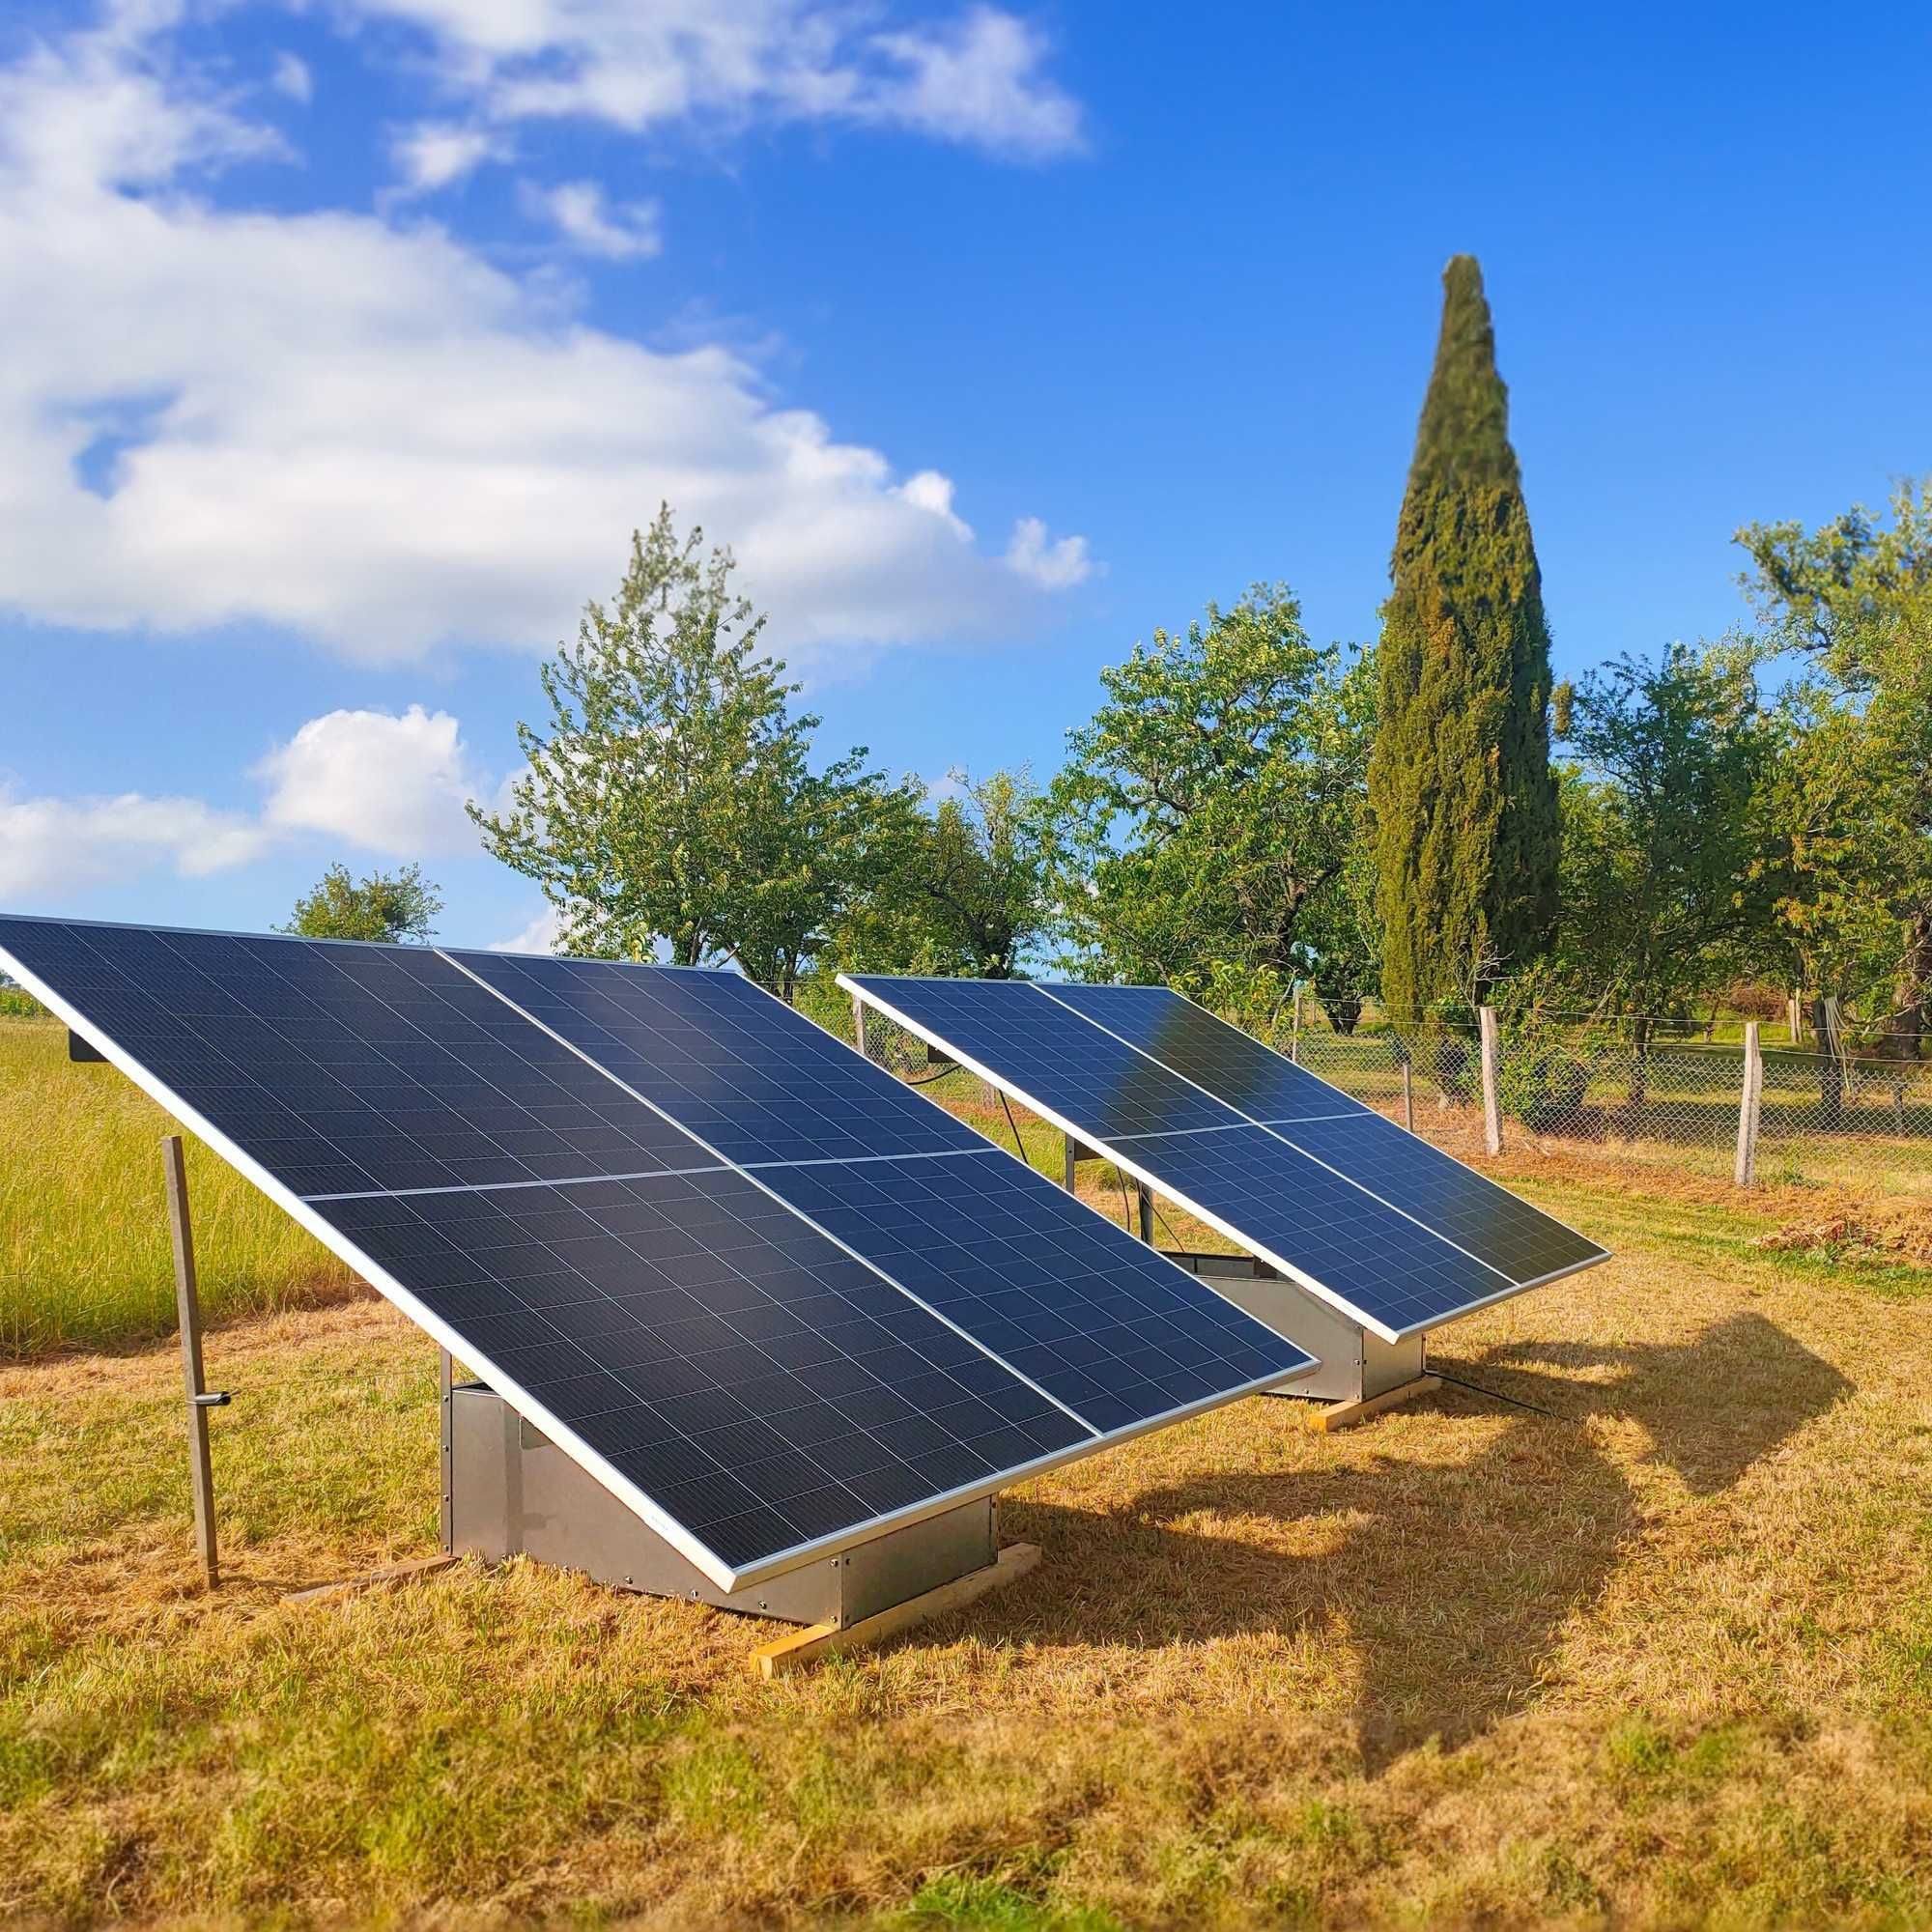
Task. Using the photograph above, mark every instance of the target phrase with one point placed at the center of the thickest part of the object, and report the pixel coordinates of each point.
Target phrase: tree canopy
(388, 906)
(1465, 801)
(1207, 816)
(670, 802)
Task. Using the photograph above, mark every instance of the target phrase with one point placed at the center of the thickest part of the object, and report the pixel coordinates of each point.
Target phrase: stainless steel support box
(1355, 1364)
(511, 1490)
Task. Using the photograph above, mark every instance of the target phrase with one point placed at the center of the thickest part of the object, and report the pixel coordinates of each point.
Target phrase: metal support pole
(859, 1023)
(1492, 1113)
(187, 1307)
(445, 1376)
(1408, 1098)
(1146, 1212)
(1294, 1037)
(1750, 1106)
(1067, 1182)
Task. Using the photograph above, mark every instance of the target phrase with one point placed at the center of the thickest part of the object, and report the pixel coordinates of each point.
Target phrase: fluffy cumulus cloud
(1053, 566)
(434, 154)
(393, 785)
(385, 784)
(62, 844)
(540, 935)
(586, 221)
(367, 433)
(978, 79)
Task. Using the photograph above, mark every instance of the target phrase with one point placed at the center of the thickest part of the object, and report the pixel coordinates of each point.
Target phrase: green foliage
(17, 1004)
(671, 799)
(391, 907)
(1856, 777)
(964, 890)
(1662, 888)
(1466, 843)
(1209, 818)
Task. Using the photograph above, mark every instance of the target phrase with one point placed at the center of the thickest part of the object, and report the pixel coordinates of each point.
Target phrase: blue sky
(347, 342)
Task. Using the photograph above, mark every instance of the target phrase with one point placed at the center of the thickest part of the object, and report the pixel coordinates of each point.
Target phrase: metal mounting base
(510, 1491)
(1356, 1364)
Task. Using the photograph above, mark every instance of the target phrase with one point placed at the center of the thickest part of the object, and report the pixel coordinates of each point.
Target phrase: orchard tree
(1854, 597)
(670, 802)
(1662, 890)
(1208, 816)
(1464, 801)
(965, 891)
(391, 907)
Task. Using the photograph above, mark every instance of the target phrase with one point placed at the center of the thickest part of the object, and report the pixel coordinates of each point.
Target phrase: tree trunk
(1905, 1037)
(1831, 1070)
(1639, 1078)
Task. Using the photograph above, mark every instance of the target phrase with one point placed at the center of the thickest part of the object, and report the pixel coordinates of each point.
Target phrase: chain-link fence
(1616, 1102)
(1814, 1117)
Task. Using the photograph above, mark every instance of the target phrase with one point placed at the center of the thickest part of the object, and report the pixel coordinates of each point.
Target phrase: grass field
(1661, 1657)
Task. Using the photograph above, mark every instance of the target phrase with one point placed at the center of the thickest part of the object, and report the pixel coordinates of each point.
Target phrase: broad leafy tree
(670, 803)
(388, 906)
(965, 890)
(1854, 597)
(1663, 889)
(1208, 815)
(1465, 801)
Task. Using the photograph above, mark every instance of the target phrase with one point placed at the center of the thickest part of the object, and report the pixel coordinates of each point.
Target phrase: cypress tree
(1459, 783)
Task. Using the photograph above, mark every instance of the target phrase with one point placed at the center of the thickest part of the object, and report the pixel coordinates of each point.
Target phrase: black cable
(943, 1073)
(1495, 1395)
(1019, 1145)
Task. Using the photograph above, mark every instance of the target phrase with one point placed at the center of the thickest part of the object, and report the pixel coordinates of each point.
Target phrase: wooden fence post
(187, 1308)
(859, 1024)
(1750, 1103)
(1295, 1038)
(1492, 1113)
(1408, 1098)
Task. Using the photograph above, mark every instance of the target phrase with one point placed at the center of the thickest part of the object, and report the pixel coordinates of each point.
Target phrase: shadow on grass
(1448, 1581)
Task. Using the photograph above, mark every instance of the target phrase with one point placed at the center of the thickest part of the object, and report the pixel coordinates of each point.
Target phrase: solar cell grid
(1522, 1241)
(1078, 1306)
(748, 1074)
(1204, 1048)
(1070, 1068)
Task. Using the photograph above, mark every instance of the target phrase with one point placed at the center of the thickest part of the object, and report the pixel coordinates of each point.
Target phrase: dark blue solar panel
(1066, 1067)
(346, 1068)
(1076, 1304)
(745, 1072)
(1475, 1213)
(756, 1381)
(1200, 1047)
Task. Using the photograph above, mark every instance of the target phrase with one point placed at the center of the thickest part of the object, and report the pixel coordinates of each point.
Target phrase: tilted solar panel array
(751, 1380)
(1385, 1227)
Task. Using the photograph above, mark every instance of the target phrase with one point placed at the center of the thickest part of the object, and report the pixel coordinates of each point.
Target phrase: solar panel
(757, 1390)
(1387, 1228)
(902, 1184)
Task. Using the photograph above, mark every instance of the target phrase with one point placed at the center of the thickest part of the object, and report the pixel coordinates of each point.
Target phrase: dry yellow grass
(1664, 1659)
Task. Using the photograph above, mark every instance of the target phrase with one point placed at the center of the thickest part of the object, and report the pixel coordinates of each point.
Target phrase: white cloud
(978, 81)
(394, 784)
(541, 935)
(291, 77)
(433, 155)
(60, 844)
(580, 215)
(373, 437)
(981, 84)
(1052, 566)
